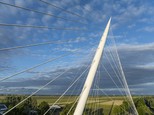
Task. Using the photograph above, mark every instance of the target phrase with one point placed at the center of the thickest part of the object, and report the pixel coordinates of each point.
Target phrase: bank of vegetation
(36, 106)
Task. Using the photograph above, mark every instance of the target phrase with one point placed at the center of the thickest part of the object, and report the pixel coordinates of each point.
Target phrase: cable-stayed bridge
(92, 71)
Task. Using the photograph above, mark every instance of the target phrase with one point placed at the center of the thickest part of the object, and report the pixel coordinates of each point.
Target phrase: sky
(132, 27)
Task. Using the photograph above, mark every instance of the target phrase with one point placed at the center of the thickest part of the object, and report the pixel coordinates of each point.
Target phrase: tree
(43, 107)
(143, 106)
(24, 108)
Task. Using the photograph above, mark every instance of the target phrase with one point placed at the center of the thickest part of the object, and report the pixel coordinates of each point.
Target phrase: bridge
(92, 68)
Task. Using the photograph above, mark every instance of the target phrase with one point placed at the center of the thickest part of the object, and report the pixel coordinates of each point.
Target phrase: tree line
(30, 105)
(144, 106)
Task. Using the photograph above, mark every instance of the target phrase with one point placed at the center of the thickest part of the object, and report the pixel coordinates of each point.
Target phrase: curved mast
(94, 65)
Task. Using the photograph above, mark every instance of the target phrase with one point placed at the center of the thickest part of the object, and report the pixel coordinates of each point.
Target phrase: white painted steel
(88, 83)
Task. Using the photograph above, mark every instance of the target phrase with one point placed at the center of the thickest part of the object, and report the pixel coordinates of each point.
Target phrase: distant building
(33, 112)
(3, 108)
(29, 111)
(55, 109)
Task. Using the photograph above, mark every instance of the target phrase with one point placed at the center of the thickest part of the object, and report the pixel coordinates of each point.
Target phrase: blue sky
(132, 26)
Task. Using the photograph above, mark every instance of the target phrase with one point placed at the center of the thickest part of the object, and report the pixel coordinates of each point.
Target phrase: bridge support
(88, 83)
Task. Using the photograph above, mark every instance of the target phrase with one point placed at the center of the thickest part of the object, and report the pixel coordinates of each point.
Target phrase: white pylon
(88, 83)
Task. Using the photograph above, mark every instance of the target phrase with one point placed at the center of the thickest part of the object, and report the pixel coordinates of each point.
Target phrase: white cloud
(147, 29)
(19, 2)
(87, 7)
(144, 84)
(136, 47)
(131, 26)
(149, 66)
(117, 89)
(78, 39)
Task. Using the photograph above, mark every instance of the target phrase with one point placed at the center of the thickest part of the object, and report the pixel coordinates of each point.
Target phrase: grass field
(92, 102)
(70, 99)
(101, 101)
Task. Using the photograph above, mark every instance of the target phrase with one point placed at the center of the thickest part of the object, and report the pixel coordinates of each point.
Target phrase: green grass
(68, 99)
(92, 102)
(104, 102)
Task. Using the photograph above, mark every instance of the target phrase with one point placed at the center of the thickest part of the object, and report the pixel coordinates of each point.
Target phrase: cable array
(62, 9)
(39, 12)
(39, 27)
(111, 55)
(36, 44)
(124, 78)
(67, 89)
(34, 93)
(113, 61)
(23, 71)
